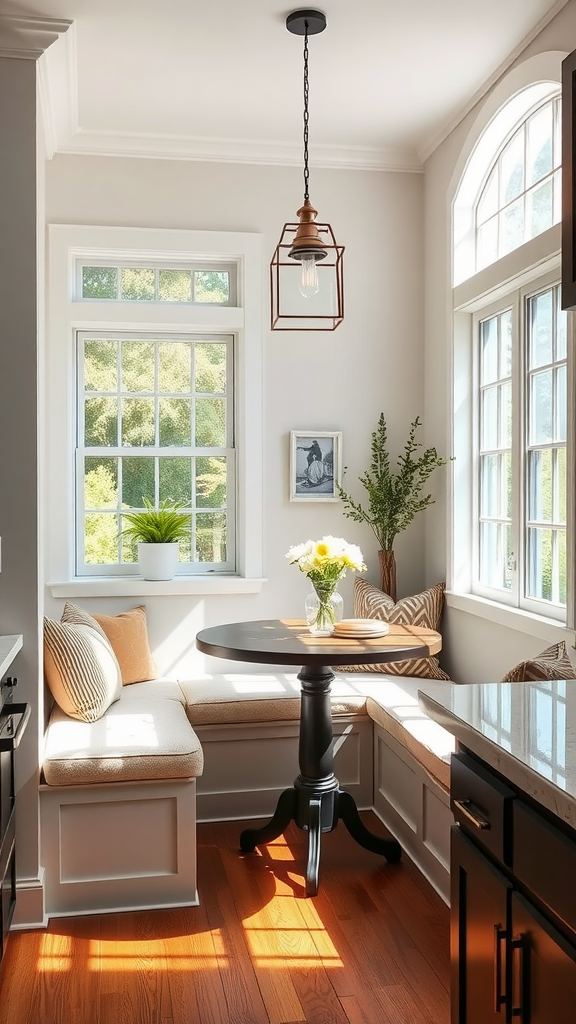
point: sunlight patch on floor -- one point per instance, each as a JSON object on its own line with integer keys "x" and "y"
{"x": 55, "y": 953}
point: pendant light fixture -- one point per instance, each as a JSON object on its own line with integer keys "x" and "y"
{"x": 306, "y": 272}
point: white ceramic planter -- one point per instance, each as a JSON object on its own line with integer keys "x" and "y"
{"x": 158, "y": 561}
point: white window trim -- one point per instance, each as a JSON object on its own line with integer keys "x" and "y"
{"x": 67, "y": 243}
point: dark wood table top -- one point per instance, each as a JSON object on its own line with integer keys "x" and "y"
{"x": 289, "y": 642}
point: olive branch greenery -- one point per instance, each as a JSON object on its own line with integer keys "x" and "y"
{"x": 162, "y": 525}
{"x": 393, "y": 498}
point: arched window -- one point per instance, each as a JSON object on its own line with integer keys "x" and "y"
{"x": 520, "y": 197}
{"x": 501, "y": 183}
{"x": 511, "y": 405}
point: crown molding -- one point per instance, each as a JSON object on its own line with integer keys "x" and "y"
{"x": 425, "y": 151}
{"x": 58, "y": 91}
{"x": 246, "y": 151}
{"x": 27, "y": 38}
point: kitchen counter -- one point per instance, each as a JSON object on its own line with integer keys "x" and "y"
{"x": 525, "y": 731}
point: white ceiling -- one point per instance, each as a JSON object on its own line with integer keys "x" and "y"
{"x": 223, "y": 78}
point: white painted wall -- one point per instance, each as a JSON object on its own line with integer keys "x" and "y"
{"x": 338, "y": 380}
{"x": 475, "y": 649}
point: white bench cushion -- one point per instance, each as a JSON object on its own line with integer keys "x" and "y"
{"x": 274, "y": 696}
{"x": 393, "y": 704}
{"x": 143, "y": 735}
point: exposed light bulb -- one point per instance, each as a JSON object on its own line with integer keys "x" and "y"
{"x": 309, "y": 284}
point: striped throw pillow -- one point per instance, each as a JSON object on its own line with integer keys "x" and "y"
{"x": 80, "y": 666}
{"x": 423, "y": 609}
{"x": 553, "y": 663}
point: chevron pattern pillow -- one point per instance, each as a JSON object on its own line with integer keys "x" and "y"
{"x": 553, "y": 663}
{"x": 423, "y": 609}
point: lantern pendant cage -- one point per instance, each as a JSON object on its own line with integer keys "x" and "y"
{"x": 306, "y": 271}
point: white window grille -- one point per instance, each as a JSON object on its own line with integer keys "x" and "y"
{"x": 521, "y": 369}
{"x": 155, "y": 424}
{"x": 521, "y": 196}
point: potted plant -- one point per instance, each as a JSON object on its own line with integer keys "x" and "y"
{"x": 393, "y": 498}
{"x": 157, "y": 532}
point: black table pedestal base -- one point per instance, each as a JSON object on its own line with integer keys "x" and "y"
{"x": 316, "y": 803}
{"x": 335, "y": 806}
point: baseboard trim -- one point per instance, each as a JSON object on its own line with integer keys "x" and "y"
{"x": 29, "y": 910}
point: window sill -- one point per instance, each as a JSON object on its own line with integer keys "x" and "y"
{"x": 513, "y": 618}
{"x": 135, "y": 586}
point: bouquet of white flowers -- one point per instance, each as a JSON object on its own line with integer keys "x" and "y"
{"x": 324, "y": 562}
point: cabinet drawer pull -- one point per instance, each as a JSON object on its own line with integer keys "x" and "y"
{"x": 472, "y": 814}
{"x": 499, "y": 996}
{"x": 520, "y": 980}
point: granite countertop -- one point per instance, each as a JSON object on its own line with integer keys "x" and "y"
{"x": 526, "y": 731}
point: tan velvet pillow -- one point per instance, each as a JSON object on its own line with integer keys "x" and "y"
{"x": 553, "y": 663}
{"x": 80, "y": 666}
{"x": 423, "y": 609}
{"x": 128, "y": 636}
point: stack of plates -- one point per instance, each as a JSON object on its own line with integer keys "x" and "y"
{"x": 360, "y": 629}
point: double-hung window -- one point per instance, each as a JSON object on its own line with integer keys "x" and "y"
{"x": 154, "y": 395}
{"x": 521, "y": 438}
{"x": 155, "y": 425}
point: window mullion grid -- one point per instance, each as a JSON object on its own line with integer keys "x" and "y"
{"x": 553, "y": 446}
{"x": 516, "y": 500}
{"x": 526, "y": 236}
{"x": 524, "y": 450}
{"x": 497, "y": 515}
{"x": 156, "y": 418}
{"x": 194, "y": 462}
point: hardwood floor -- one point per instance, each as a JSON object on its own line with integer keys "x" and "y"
{"x": 371, "y": 948}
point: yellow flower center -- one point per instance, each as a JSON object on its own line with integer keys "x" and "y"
{"x": 322, "y": 550}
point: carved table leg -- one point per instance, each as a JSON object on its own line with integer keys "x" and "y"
{"x": 348, "y": 813}
{"x": 314, "y": 833}
{"x": 285, "y": 811}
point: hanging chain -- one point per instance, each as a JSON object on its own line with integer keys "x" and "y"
{"x": 306, "y": 116}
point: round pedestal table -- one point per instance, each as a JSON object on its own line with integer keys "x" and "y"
{"x": 316, "y": 802}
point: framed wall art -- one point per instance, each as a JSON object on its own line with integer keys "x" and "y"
{"x": 315, "y": 464}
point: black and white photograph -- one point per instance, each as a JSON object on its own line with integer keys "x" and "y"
{"x": 315, "y": 465}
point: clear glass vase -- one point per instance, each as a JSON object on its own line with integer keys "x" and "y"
{"x": 323, "y": 607}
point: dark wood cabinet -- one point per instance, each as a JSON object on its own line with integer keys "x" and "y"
{"x": 543, "y": 968}
{"x": 13, "y": 721}
{"x": 480, "y": 907}
{"x": 513, "y": 932}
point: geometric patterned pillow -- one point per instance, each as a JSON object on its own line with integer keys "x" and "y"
{"x": 423, "y": 609}
{"x": 553, "y": 663}
{"x": 80, "y": 666}
{"x": 128, "y": 636}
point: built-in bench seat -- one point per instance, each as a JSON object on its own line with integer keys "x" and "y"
{"x": 411, "y": 771}
{"x": 118, "y": 805}
{"x": 120, "y": 797}
{"x": 387, "y": 753}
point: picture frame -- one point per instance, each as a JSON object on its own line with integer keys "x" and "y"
{"x": 315, "y": 465}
